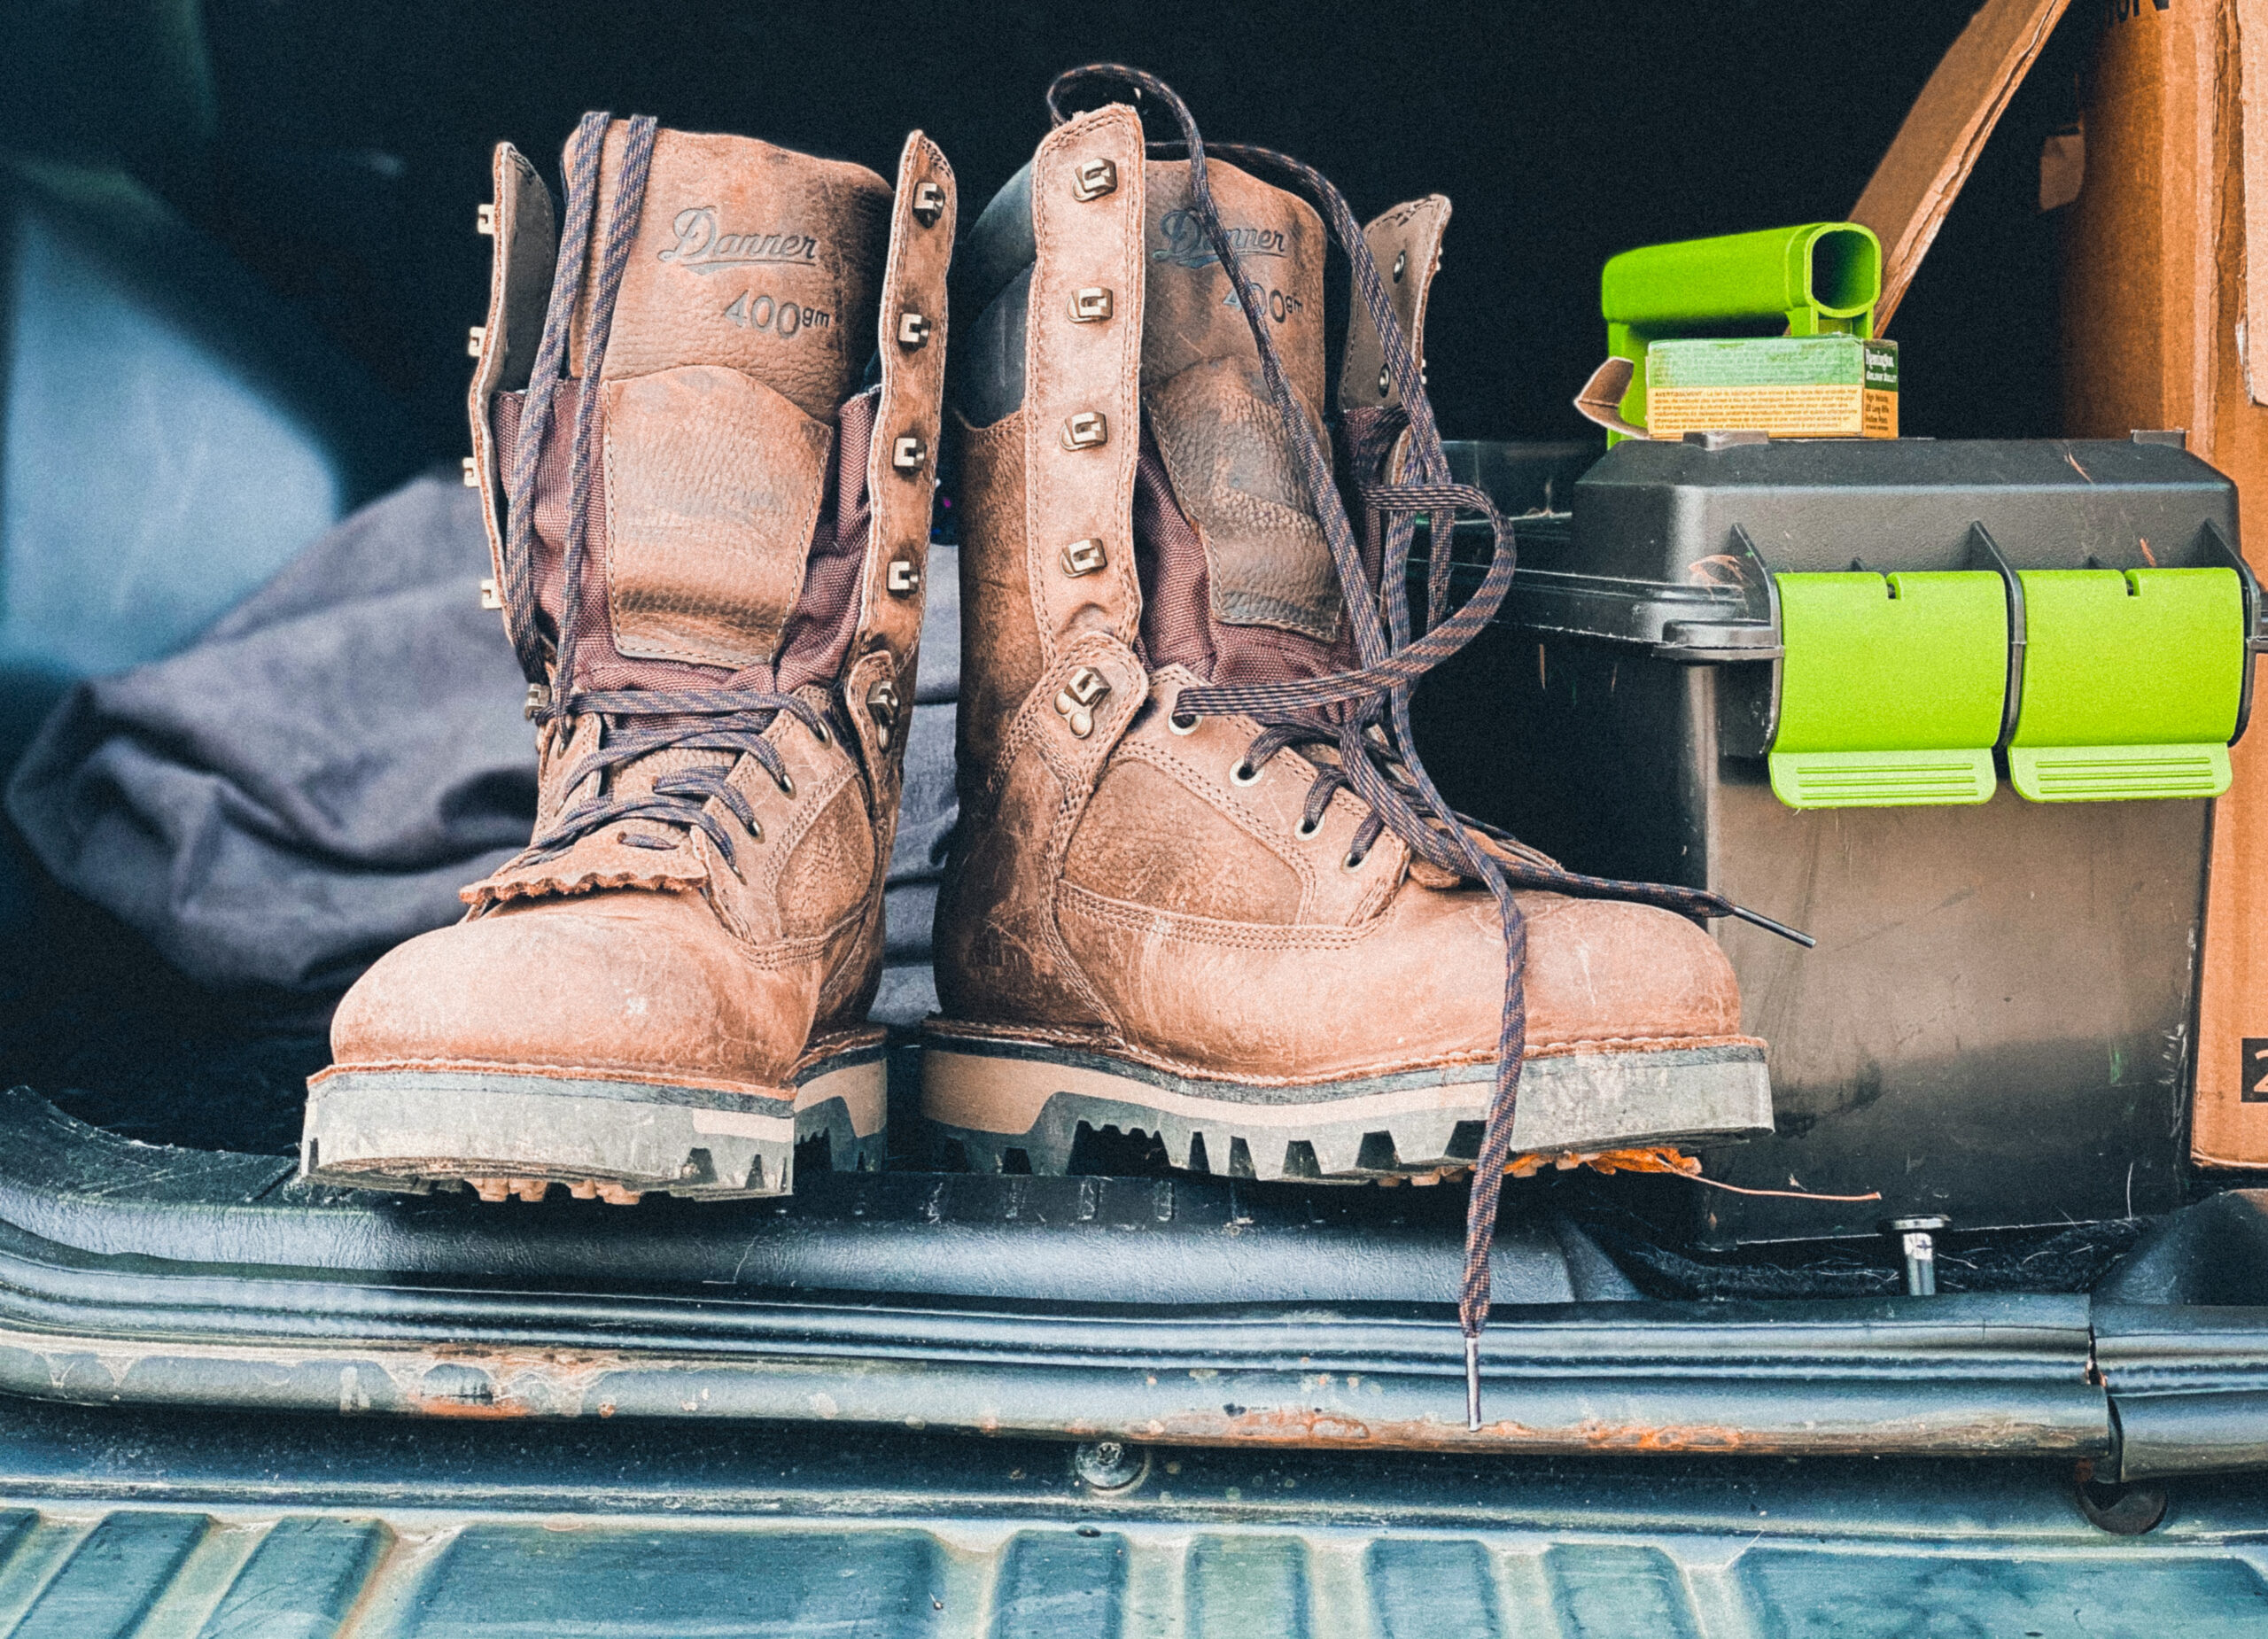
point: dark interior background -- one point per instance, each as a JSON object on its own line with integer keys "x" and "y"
{"x": 339, "y": 150}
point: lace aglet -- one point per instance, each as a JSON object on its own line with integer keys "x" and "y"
{"x": 1472, "y": 1383}
{"x": 1795, "y": 934}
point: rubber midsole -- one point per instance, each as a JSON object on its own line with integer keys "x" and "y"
{"x": 1586, "y": 1100}
{"x": 450, "y": 1121}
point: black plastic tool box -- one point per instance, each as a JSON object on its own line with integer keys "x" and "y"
{"x": 1954, "y": 708}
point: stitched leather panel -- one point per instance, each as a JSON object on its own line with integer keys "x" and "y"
{"x": 1221, "y": 437}
{"x": 998, "y": 954}
{"x": 830, "y": 868}
{"x": 1271, "y": 807}
{"x": 641, "y": 982}
{"x": 1412, "y": 987}
{"x": 745, "y": 255}
{"x": 1187, "y": 317}
{"x": 1410, "y": 235}
{"x": 1147, "y": 841}
{"x": 713, "y": 488}
{"x": 911, "y": 402}
{"x": 1231, "y": 460}
{"x": 1072, "y": 368}
{"x": 519, "y": 285}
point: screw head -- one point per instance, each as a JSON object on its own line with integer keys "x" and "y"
{"x": 1111, "y": 1465}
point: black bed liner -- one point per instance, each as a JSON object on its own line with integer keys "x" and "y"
{"x": 1169, "y": 1310}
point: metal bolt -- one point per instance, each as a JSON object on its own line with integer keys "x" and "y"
{"x": 1917, "y": 1244}
{"x": 1111, "y": 1465}
{"x": 929, "y": 202}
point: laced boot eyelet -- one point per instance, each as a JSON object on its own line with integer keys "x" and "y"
{"x": 1242, "y": 772}
{"x": 820, "y": 729}
{"x": 1174, "y": 722}
{"x": 1306, "y": 828}
{"x": 786, "y": 782}
{"x": 1353, "y": 862}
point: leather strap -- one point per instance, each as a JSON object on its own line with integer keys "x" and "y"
{"x": 1406, "y": 244}
{"x": 1087, "y": 239}
{"x": 912, "y": 391}
{"x": 894, "y": 585}
{"x": 519, "y": 283}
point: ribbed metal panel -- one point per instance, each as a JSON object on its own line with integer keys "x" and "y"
{"x": 310, "y": 1576}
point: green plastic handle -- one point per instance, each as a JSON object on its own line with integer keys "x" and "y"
{"x": 1832, "y": 269}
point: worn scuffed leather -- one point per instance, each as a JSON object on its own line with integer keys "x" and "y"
{"x": 642, "y": 951}
{"x": 1124, "y": 889}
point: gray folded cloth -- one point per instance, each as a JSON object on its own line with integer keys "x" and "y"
{"x": 312, "y": 781}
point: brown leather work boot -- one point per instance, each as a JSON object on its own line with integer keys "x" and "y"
{"x": 709, "y": 548}
{"x": 1202, "y": 890}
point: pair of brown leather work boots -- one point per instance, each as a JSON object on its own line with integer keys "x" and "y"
{"x": 1202, "y": 889}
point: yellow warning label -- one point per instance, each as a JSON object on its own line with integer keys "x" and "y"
{"x": 1836, "y": 412}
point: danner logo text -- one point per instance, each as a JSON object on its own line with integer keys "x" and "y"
{"x": 1186, "y": 246}
{"x": 702, "y": 248}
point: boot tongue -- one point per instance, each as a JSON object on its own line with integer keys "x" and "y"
{"x": 745, "y": 316}
{"x": 745, "y": 255}
{"x": 1223, "y": 440}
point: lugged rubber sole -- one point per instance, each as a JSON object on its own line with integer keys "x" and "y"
{"x": 1017, "y": 1105}
{"x": 503, "y": 1131}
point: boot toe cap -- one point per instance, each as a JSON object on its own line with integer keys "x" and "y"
{"x": 645, "y": 985}
{"x": 1605, "y": 970}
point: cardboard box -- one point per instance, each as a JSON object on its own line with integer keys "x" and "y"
{"x": 1790, "y": 386}
{"x": 2165, "y": 296}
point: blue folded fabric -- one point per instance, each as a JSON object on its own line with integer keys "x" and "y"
{"x": 311, "y": 782}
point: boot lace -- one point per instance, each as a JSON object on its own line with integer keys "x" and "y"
{"x": 1353, "y": 725}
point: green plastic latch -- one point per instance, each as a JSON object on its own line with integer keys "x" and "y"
{"x": 2132, "y": 681}
{"x": 1891, "y": 688}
